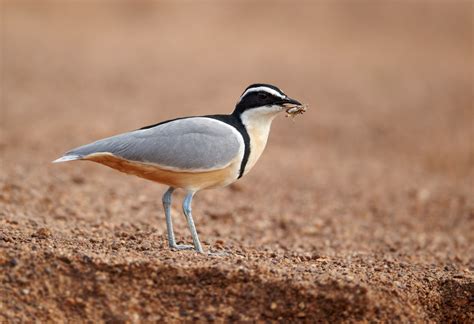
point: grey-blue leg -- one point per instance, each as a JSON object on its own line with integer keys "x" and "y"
{"x": 189, "y": 217}
{"x": 169, "y": 223}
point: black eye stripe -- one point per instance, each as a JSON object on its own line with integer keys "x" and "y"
{"x": 258, "y": 95}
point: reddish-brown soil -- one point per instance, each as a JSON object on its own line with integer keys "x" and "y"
{"x": 361, "y": 209}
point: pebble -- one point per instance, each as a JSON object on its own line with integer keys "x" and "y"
{"x": 42, "y": 233}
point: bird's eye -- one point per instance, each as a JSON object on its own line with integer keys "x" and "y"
{"x": 262, "y": 95}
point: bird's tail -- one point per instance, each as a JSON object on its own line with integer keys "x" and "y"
{"x": 67, "y": 158}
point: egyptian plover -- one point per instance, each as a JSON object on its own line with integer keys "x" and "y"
{"x": 194, "y": 153}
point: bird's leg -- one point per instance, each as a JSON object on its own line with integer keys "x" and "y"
{"x": 189, "y": 217}
{"x": 169, "y": 224}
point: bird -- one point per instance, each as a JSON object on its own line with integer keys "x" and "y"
{"x": 196, "y": 152}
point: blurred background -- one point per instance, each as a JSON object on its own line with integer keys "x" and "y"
{"x": 390, "y": 124}
{"x": 364, "y": 205}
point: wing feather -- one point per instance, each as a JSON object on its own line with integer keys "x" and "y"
{"x": 196, "y": 143}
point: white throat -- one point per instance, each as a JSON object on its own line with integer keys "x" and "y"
{"x": 258, "y": 122}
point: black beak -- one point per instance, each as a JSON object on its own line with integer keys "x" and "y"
{"x": 290, "y": 101}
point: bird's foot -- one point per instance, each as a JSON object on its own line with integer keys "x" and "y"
{"x": 217, "y": 254}
{"x": 181, "y": 247}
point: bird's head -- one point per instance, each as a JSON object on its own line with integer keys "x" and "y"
{"x": 263, "y": 100}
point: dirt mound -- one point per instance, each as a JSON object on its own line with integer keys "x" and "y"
{"x": 137, "y": 279}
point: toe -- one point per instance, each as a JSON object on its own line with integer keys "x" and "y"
{"x": 218, "y": 254}
{"x": 180, "y": 247}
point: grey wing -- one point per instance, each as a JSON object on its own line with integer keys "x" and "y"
{"x": 196, "y": 143}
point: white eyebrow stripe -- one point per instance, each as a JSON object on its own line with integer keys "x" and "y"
{"x": 266, "y": 89}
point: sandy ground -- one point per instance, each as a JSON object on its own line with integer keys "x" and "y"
{"x": 362, "y": 209}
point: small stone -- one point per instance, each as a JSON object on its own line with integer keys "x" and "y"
{"x": 42, "y": 233}
{"x": 461, "y": 302}
{"x": 301, "y": 305}
{"x": 13, "y": 262}
{"x": 399, "y": 285}
{"x": 273, "y": 305}
{"x": 145, "y": 246}
{"x": 135, "y": 317}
